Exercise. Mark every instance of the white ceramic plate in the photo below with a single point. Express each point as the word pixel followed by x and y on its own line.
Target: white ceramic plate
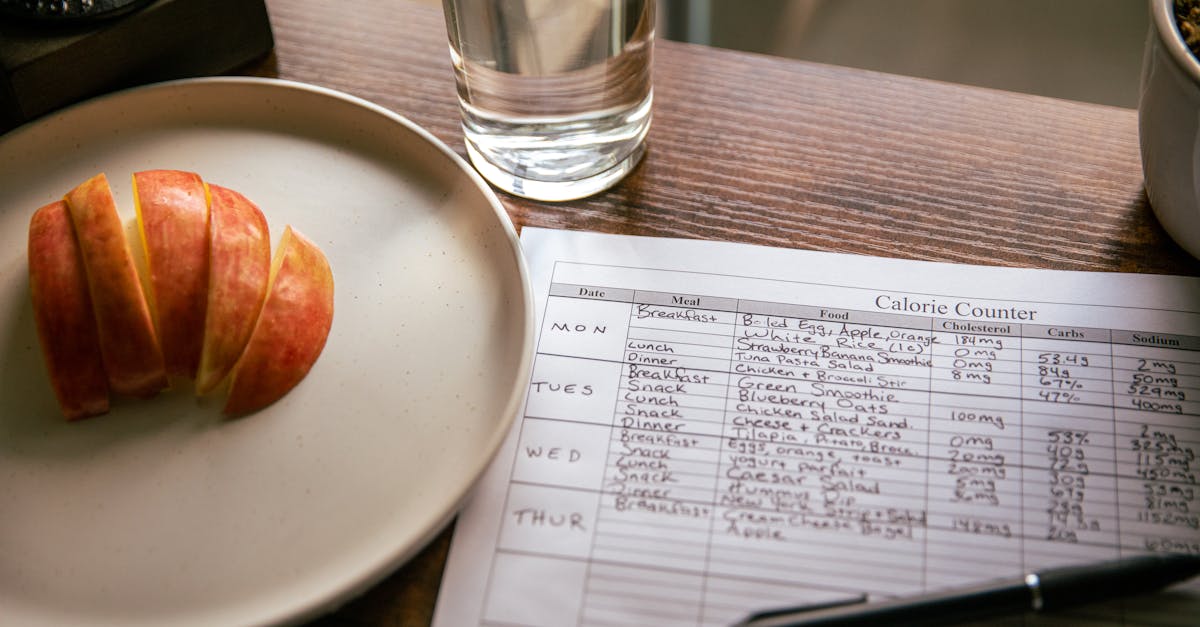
pixel 161 512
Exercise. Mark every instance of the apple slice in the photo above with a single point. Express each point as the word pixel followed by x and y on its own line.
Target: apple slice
pixel 239 268
pixel 172 213
pixel 62 309
pixel 132 357
pixel 291 330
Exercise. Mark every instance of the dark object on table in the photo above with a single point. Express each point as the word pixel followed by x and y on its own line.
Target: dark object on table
pixel 1048 590
pixel 67 10
pixel 50 63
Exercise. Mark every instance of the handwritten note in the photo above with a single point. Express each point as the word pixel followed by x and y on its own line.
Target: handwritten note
pixel 713 429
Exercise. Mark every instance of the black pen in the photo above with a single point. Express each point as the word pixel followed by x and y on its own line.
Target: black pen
pixel 1043 591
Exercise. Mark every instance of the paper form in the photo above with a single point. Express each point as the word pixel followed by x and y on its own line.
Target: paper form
pixel 714 428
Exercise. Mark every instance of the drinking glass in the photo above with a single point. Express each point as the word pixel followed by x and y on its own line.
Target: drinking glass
pixel 555 95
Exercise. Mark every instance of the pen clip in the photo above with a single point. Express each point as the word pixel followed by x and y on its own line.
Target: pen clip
pixel 785 611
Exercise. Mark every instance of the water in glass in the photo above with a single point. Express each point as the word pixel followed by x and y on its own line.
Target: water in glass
pixel 555 94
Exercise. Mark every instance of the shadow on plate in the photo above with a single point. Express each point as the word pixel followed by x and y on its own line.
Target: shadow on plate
pixel 31 423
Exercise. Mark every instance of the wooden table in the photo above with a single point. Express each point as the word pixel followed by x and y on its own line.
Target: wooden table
pixel 771 151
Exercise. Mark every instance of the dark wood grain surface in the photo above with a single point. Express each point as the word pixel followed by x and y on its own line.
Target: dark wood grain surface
pixel 771 151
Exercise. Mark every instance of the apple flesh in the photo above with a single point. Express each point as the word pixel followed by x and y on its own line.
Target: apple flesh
pixel 221 307
pixel 129 347
pixel 239 269
pixel 172 213
pixel 291 329
pixel 62 310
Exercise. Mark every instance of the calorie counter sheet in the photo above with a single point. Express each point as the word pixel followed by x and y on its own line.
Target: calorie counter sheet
pixel 714 429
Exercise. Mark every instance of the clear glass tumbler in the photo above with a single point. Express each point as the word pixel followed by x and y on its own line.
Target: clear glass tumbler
pixel 555 94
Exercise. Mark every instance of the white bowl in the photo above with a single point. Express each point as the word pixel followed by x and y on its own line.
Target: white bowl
pixel 1169 127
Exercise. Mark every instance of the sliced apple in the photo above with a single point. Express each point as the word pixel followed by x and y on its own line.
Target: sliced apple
pixel 172 213
pixel 128 344
pixel 291 330
pixel 239 269
pixel 62 310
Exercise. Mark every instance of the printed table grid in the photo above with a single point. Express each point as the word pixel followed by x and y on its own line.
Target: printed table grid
pixel 779 452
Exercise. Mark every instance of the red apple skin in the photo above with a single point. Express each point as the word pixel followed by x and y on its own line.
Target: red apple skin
pixel 291 330
pixel 128 344
pixel 172 211
pixel 62 309
pixel 239 269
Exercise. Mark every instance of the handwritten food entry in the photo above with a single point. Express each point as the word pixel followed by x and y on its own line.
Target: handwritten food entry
pixel 715 428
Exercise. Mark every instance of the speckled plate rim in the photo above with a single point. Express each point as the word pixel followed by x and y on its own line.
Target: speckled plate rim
pixel 301 609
